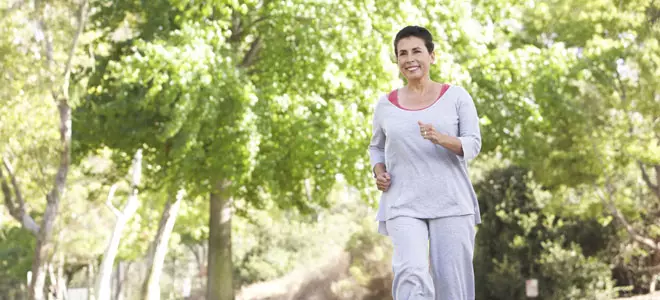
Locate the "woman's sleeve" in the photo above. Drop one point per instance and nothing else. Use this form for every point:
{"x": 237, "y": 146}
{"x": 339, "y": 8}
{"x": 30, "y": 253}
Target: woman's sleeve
{"x": 377, "y": 144}
{"x": 468, "y": 123}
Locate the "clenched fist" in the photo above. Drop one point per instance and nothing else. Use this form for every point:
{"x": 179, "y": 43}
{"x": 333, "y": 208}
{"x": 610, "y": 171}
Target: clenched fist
{"x": 428, "y": 132}
{"x": 383, "y": 179}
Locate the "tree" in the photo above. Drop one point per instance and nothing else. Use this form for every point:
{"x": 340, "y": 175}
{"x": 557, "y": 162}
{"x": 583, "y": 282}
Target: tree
{"x": 570, "y": 91}
{"x": 104, "y": 283}
{"x": 57, "y": 76}
{"x": 522, "y": 238}
{"x": 158, "y": 248}
{"x": 214, "y": 104}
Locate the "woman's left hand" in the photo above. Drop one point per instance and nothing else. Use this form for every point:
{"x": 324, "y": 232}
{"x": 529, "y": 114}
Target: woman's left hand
{"x": 428, "y": 132}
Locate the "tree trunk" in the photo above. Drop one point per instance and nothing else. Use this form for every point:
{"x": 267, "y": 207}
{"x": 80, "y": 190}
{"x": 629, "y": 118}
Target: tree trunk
{"x": 220, "y": 282}
{"x": 151, "y": 288}
{"x": 14, "y": 201}
{"x": 118, "y": 282}
{"x": 62, "y": 292}
{"x": 61, "y": 95}
{"x": 654, "y": 271}
{"x": 104, "y": 280}
{"x": 44, "y": 245}
{"x": 90, "y": 281}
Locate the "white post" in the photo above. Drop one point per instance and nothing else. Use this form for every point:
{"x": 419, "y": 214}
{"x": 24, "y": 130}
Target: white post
{"x": 532, "y": 288}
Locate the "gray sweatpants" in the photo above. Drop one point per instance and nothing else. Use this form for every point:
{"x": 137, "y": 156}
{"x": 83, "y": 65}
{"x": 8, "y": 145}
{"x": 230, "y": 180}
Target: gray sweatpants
{"x": 450, "y": 275}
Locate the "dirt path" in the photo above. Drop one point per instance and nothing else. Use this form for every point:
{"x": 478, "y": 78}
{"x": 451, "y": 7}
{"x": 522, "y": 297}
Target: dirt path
{"x": 654, "y": 296}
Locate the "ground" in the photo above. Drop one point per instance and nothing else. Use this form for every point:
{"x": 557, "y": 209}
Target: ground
{"x": 654, "y": 296}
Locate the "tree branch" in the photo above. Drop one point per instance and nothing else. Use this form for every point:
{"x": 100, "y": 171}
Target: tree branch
{"x": 236, "y": 28}
{"x": 136, "y": 172}
{"x": 67, "y": 68}
{"x": 135, "y": 177}
{"x": 47, "y": 41}
{"x": 17, "y": 210}
{"x": 42, "y": 30}
{"x": 251, "y": 56}
{"x": 647, "y": 179}
{"x": 651, "y": 270}
{"x": 71, "y": 270}
{"x": 49, "y": 55}
{"x": 259, "y": 20}
{"x": 108, "y": 201}
{"x": 65, "y": 114}
{"x": 240, "y": 30}
{"x": 7, "y": 193}
{"x": 136, "y": 169}
{"x": 609, "y": 203}
{"x": 14, "y": 183}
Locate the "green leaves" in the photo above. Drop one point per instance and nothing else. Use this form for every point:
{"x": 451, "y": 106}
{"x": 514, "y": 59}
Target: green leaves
{"x": 16, "y": 254}
{"x": 181, "y": 96}
{"x": 522, "y": 238}
{"x": 250, "y": 95}
{"x": 564, "y": 97}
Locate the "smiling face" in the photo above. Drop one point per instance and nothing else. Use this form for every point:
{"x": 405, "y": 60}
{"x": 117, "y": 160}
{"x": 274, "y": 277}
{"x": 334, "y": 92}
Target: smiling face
{"x": 413, "y": 58}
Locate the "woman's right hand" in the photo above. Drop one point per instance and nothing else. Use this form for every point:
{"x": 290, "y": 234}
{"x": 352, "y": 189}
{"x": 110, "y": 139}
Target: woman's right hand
{"x": 383, "y": 178}
{"x": 383, "y": 181}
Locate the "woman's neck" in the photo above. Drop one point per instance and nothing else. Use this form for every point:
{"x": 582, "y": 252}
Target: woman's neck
{"x": 420, "y": 86}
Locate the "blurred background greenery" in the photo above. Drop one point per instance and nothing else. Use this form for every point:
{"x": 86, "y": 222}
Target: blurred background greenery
{"x": 171, "y": 149}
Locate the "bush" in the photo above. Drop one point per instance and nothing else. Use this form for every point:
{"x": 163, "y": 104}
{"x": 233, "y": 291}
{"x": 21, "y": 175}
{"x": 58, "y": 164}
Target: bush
{"x": 572, "y": 275}
{"x": 370, "y": 268}
{"x": 16, "y": 254}
{"x": 520, "y": 239}
{"x": 274, "y": 242}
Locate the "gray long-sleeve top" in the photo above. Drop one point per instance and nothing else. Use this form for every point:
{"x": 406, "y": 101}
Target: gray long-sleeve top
{"x": 428, "y": 180}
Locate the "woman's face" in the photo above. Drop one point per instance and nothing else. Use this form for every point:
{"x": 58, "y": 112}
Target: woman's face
{"x": 413, "y": 58}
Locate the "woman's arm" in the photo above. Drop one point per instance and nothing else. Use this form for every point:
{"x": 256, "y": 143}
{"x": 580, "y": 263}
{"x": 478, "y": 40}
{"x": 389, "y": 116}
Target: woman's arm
{"x": 377, "y": 145}
{"x": 468, "y": 142}
{"x": 468, "y": 127}
{"x": 452, "y": 144}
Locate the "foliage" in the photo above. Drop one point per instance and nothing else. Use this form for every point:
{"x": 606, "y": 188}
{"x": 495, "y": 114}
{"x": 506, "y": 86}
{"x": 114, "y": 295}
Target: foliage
{"x": 273, "y": 242}
{"x": 276, "y": 97}
{"x": 519, "y": 240}
{"x": 188, "y": 94}
{"x": 577, "y": 105}
{"x": 574, "y": 275}
{"x": 370, "y": 268}
{"x": 16, "y": 255}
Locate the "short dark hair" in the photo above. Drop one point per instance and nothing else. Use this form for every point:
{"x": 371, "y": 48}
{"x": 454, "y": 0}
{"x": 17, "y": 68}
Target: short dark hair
{"x": 416, "y": 31}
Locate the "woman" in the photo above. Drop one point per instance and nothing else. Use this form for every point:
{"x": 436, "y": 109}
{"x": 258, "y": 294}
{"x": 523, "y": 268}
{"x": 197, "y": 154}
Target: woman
{"x": 423, "y": 134}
